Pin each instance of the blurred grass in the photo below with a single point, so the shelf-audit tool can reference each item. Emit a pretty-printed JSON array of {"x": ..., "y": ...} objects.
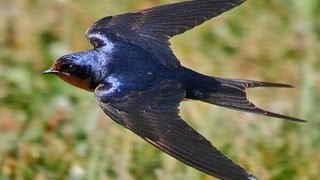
[{"x": 50, "y": 130}]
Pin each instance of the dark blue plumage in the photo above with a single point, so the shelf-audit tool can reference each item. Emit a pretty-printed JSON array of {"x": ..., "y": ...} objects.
[{"x": 139, "y": 82}]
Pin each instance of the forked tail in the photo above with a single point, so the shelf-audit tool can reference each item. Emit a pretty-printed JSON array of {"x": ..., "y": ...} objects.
[{"x": 232, "y": 94}]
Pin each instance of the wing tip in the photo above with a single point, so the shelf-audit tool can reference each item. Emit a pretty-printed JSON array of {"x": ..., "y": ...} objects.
[
  {"x": 271, "y": 114},
  {"x": 285, "y": 86},
  {"x": 276, "y": 85}
]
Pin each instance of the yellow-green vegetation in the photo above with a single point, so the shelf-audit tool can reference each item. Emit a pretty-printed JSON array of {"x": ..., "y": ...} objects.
[{"x": 51, "y": 130}]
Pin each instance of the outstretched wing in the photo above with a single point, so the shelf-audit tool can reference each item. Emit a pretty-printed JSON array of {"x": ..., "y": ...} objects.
[
  {"x": 152, "y": 28},
  {"x": 153, "y": 115}
]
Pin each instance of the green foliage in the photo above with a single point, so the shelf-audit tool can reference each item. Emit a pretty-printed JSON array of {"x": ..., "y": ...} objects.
[{"x": 51, "y": 130}]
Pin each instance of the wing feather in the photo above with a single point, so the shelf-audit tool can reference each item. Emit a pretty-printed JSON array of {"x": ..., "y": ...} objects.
[
  {"x": 159, "y": 24},
  {"x": 153, "y": 115}
]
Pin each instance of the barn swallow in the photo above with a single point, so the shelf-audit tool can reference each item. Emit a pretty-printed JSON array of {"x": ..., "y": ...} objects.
[{"x": 139, "y": 82}]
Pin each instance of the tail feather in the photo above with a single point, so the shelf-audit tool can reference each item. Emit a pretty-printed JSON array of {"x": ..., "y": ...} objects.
[
  {"x": 251, "y": 84},
  {"x": 232, "y": 95}
]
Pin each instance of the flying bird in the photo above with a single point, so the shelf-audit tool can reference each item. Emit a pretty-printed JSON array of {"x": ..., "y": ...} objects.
[{"x": 139, "y": 82}]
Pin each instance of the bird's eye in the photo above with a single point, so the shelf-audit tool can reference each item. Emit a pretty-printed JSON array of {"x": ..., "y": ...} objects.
[
  {"x": 67, "y": 68},
  {"x": 70, "y": 66}
]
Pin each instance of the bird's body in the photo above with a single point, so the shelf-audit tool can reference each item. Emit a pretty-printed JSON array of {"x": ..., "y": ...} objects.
[
  {"x": 139, "y": 83},
  {"x": 130, "y": 67}
]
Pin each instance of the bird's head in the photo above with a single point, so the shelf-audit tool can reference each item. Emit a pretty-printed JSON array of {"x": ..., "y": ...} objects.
[{"x": 74, "y": 69}]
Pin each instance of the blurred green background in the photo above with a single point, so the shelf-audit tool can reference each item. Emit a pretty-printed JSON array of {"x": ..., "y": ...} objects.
[{"x": 51, "y": 130}]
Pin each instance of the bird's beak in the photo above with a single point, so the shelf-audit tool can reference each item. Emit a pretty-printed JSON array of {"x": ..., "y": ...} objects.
[{"x": 50, "y": 71}]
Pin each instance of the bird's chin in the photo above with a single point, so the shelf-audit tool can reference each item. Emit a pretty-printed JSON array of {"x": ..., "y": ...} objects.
[
  {"x": 80, "y": 83},
  {"x": 75, "y": 81}
]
